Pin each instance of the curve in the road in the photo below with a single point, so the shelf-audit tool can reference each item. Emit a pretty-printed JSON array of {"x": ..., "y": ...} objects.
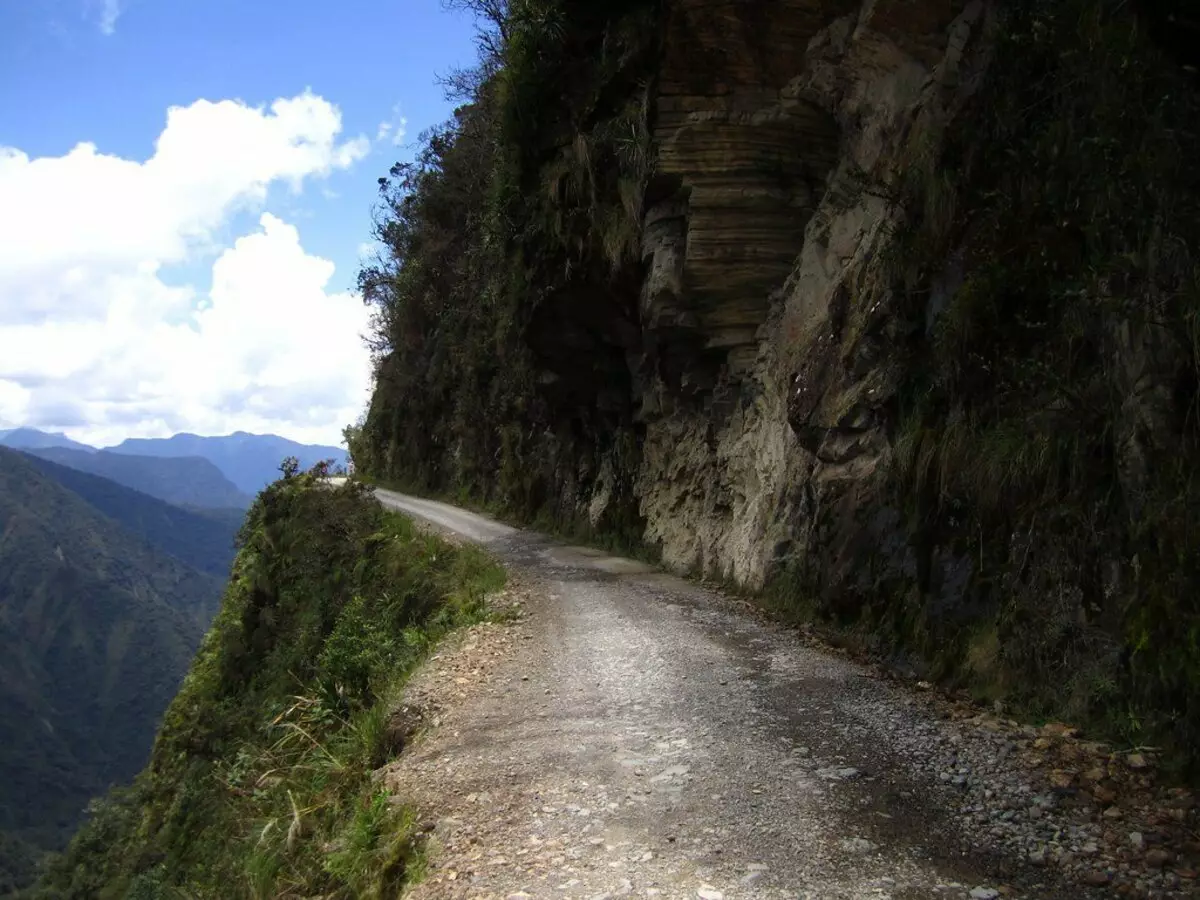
[{"x": 651, "y": 738}]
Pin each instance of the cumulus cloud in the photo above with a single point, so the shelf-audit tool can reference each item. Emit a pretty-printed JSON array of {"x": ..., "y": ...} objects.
[
  {"x": 110, "y": 11},
  {"x": 394, "y": 129},
  {"x": 94, "y": 340}
]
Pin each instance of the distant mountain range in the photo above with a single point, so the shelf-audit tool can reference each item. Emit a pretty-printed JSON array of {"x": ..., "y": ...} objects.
[
  {"x": 32, "y": 439},
  {"x": 246, "y": 462},
  {"x": 250, "y": 461},
  {"x": 104, "y": 596},
  {"x": 185, "y": 480}
]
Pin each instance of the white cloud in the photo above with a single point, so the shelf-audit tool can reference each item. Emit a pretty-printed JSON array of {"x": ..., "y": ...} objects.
[
  {"x": 94, "y": 341},
  {"x": 394, "y": 129},
  {"x": 109, "y": 13}
]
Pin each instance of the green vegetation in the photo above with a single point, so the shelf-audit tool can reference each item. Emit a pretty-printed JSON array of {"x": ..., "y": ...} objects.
[
  {"x": 1047, "y": 442},
  {"x": 97, "y": 629},
  {"x": 202, "y": 541},
  {"x": 260, "y": 780},
  {"x": 519, "y": 213},
  {"x": 182, "y": 481}
]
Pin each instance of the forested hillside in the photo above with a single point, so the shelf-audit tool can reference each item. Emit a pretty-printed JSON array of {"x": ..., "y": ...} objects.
[
  {"x": 183, "y": 481},
  {"x": 888, "y": 311},
  {"x": 204, "y": 542},
  {"x": 259, "y": 784},
  {"x": 97, "y": 629}
]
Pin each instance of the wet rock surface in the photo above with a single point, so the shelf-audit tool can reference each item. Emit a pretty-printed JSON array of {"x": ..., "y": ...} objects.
[{"x": 632, "y": 734}]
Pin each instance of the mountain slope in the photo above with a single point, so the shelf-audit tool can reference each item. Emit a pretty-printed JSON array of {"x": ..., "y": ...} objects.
[
  {"x": 287, "y": 708},
  {"x": 250, "y": 461},
  {"x": 201, "y": 541},
  {"x": 183, "y": 480},
  {"x": 96, "y": 630},
  {"x": 32, "y": 439}
]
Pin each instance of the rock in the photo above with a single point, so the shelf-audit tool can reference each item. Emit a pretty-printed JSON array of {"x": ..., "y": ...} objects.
[
  {"x": 1137, "y": 761},
  {"x": 848, "y": 773},
  {"x": 1157, "y": 858},
  {"x": 708, "y": 892},
  {"x": 1104, "y": 795},
  {"x": 1136, "y": 840},
  {"x": 1061, "y": 779},
  {"x": 857, "y": 845},
  {"x": 984, "y": 893},
  {"x": 1096, "y": 878}
]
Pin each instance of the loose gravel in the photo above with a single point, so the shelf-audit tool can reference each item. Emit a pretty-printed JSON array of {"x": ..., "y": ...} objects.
[{"x": 628, "y": 733}]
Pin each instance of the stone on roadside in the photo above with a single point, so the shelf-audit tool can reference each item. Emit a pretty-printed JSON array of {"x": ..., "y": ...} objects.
[
  {"x": 1096, "y": 878},
  {"x": 1157, "y": 858},
  {"x": 1136, "y": 761},
  {"x": 857, "y": 845}
]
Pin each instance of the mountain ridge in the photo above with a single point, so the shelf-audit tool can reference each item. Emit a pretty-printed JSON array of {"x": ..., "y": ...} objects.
[
  {"x": 250, "y": 461},
  {"x": 23, "y": 438},
  {"x": 97, "y": 628},
  {"x": 180, "y": 481},
  {"x": 204, "y": 542}
]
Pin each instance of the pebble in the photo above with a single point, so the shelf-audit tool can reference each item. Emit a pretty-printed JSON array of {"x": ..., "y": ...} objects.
[
  {"x": 708, "y": 892},
  {"x": 857, "y": 845},
  {"x": 1157, "y": 858}
]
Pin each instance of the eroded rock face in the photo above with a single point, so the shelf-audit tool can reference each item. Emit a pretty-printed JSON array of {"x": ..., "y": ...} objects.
[{"x": 773, "y": 342}]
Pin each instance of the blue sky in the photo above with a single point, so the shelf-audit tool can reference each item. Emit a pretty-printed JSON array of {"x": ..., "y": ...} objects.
[{"x": 106, "y": 73}]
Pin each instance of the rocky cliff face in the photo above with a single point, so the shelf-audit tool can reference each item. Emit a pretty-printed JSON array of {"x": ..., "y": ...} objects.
[
  {"x": 767, "y": 306},
  {"x": 885, "y": 307}
]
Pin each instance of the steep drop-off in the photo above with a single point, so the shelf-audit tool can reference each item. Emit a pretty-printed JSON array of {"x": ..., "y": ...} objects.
[
  {"x": 97, "y": 628},
  {"x": 259, "y": 783},
  {"x": 886, "y": 309}
]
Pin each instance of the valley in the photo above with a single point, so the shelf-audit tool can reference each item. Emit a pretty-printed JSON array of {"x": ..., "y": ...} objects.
[{"x": 105, "y": 595}]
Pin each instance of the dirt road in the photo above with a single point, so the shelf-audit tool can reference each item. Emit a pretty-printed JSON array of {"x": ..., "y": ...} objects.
[{"x": 636, "y": 735}]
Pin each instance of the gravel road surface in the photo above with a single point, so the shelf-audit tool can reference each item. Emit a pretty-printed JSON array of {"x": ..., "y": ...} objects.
[{"x": 634, "y": 734}]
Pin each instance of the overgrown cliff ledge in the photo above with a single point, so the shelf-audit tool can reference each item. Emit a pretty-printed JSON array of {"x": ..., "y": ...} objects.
[{"x": 885, "y": 307}]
